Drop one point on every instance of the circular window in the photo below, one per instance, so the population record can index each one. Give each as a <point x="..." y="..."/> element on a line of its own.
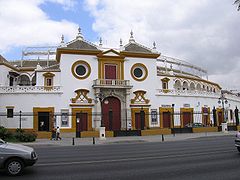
<point x="81" y="69"/>
<point x="139" y="72"/>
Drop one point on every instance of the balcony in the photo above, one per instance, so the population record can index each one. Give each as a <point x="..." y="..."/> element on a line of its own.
<point x="111" y="83"/>
<point x="30" y="90"/>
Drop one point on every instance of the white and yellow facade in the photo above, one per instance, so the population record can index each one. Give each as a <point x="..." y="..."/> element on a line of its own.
<point x="89" y="86"/>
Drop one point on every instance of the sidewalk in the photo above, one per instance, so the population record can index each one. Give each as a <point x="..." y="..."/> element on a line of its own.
<point x="126" y="139"/>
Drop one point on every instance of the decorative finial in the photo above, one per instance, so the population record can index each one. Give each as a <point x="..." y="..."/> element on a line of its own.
<point x="121" y="42"/>
<point x="131" y="37"/>
<point x="100" y="41"/>
<point x="79" y="36"/>
<point x="154" y="45"/>
<point x="62" y="39"/>
<point x="154" y="49"/>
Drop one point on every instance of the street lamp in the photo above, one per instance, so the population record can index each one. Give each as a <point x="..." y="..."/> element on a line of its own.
<point x="101" y="97"/>
<point x="223" y="100"/>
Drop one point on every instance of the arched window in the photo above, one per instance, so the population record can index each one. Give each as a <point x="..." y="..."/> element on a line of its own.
<point x="34" y="80"/>
<point x="198" y="87"/>
<point x="23" y="80"/>
<point x="192" y="86"/>
<point x="185" y="85"/>
<point x="177" y="85"/>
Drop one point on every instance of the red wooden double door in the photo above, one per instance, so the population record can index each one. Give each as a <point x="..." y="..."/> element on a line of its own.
<point x="111" y="113"/>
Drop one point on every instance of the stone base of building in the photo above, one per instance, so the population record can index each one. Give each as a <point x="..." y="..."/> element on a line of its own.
<point x="150" y="132"/>
<point x="204" y="129"/>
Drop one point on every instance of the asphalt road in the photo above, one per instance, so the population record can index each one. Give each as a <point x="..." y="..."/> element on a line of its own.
<point x="206" y="158"/>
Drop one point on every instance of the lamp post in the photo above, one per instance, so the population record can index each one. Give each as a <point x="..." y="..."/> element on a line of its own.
<point x="222" y="99"/>
<point x="102" y="131"/>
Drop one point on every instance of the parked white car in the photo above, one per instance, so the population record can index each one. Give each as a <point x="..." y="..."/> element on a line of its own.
<point x="14" y="157"/>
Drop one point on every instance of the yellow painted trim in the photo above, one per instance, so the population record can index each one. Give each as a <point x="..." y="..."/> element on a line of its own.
<point x="75" y="64"/>
<point x="208" y="119"/>
<point x="137" y="110"/>
<point x="161" y="111"/>
<point x="182" y="110"/>
<point x="139" y="65"/>
<point x="205" y="129"/>
<point x="48" y="74"/>
<point x="43" y="109"/>
<point x="150" y="132"/>
<point x="140" y="55"/>
<point x="118" y="63"/>
<point x="89" y="134"/>
<point x="9" y="66"/>
<point x="10" y="107"/>
<point x="217" y="111"/>
<point x="195" y="79"/>
<point x="61" y="51"/>
<point x="82" y="105"/>
<point x="83" y="110"/>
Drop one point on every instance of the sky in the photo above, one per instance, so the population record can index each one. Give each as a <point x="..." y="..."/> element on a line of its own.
<point x="205" y="33"/>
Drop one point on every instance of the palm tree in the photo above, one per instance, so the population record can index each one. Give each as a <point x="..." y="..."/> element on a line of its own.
<point x="237" y="2"/>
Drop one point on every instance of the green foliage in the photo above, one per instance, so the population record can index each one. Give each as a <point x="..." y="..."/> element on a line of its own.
<point x="4" y="133"/>
<point x="18" y="136"/>
<point x="23" y="136"/>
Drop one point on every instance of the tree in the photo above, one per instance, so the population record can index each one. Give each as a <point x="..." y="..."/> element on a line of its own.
<point x="237" y="2"/>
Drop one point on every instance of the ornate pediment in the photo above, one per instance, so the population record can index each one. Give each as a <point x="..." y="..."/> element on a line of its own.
<point x="140" y="98"/>
<point x="81" y="97"/>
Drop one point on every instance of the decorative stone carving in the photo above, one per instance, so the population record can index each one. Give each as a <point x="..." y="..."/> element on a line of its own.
<point x="139" y="97"/>
<point x="81" y="96"/>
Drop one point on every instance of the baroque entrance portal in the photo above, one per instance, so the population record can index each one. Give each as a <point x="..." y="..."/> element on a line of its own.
<point x="111" y="107"/>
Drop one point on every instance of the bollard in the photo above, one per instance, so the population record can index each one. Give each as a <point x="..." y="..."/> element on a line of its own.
<point x="73" y="143"/>
<point x="93" y="140"/>
<point x="162" y="138"/>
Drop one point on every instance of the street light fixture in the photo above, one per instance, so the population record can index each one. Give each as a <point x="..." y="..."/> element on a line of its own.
<point x="223" y="100"/>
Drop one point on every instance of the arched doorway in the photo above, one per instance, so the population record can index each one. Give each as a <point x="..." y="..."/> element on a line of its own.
<point x="111" y="109"/>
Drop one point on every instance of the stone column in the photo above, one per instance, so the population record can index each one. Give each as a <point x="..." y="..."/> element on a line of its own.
<point x="97" y="113"/>
<point x="128" y="109"/>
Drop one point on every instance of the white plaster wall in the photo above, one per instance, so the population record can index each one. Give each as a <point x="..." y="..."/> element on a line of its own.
<point x="4" y="81"/>
<point x="56" y="78"/>
<point x="70" y="83"/>
<point x="149" y="84"/>
<point x="25" y="103"/>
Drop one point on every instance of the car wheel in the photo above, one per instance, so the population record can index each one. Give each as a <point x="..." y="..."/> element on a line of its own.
<point x="14" y="167"/>
<point x="238" y="149"/>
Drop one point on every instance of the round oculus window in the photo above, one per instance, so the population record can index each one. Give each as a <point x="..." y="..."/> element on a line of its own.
<point x="138" y="72"/>
<point x="81" y="70"/>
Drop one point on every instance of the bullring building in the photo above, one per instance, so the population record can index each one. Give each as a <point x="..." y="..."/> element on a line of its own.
<point x="86" y="86"/>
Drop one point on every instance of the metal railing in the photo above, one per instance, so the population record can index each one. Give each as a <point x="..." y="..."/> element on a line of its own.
<point x="111" y="83"/>
<point x="29" y="89"/>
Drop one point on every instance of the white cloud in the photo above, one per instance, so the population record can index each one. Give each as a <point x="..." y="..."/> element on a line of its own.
<point x="203" y="32"/>
<point x="23" y="23"/>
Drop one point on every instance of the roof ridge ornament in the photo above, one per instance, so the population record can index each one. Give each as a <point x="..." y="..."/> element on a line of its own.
<point x="100" y="42"/>
<point x="154" y="49"/>
<point x="62" y="44"/>
<point x="79" y="35"/>
<point x="131" y="39"/>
